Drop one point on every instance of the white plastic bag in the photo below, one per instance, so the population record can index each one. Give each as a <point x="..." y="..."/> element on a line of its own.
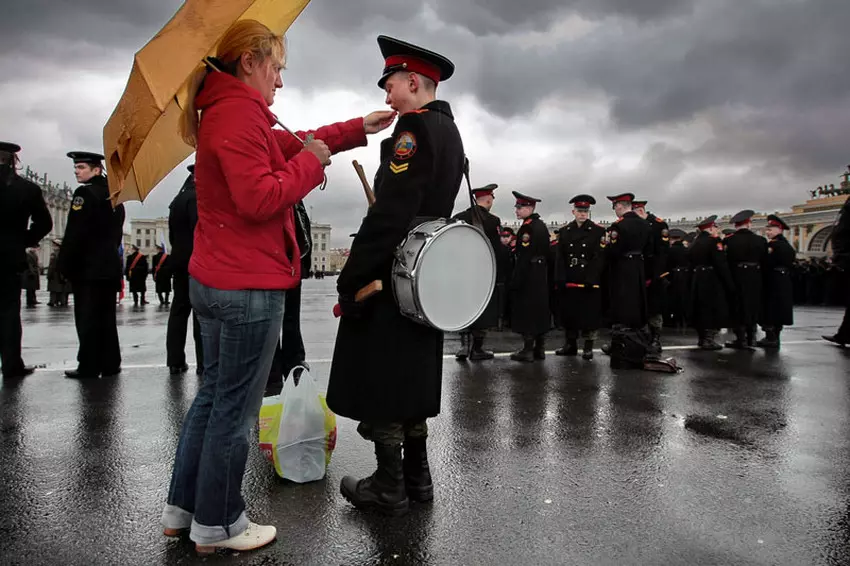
<point x="301" y="444"/>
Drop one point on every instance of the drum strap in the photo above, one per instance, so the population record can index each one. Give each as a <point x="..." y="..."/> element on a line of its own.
<point x="477" y="221"/>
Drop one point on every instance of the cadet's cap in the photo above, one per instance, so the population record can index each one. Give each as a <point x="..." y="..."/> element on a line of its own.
<point x="707" y="222"/>
<point x="485" y="191"/>
<point x="507" y="231"/>
<point x="639" y="204"/>
<point x="10" y="147"/>
<point x="191" y="168"/>
<point x="524" y="200"/>
<point x="727" y="231"/>
<point x="773" y="220"/>
<point x="625" y="197"/>
<point x="678" y="233"/>
<point x="582" y="201"/>
<point x="86" y="157"/>
<point x="742" y="217"/>
<point x="402" y="56"/>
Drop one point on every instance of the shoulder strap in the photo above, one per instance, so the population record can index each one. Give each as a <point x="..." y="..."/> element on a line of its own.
<point x="477" y="221"/>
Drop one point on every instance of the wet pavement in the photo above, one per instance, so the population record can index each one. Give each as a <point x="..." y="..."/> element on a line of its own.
<point x="744" y="458"/>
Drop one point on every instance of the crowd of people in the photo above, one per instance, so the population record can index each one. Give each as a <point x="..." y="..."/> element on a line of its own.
<point x="241" y="247"/>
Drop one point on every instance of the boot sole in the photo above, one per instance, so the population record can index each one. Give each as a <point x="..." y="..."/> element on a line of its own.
<point x="420" y="494"/>
<point x="396" y="510"/>
<point x="174" y="532"/>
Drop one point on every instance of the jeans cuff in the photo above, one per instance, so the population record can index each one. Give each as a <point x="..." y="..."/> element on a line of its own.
<point x="174" y="517"/>
<point x="205" y="534"/>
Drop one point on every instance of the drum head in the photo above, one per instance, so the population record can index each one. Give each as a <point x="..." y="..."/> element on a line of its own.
<point x="455" y="277"/>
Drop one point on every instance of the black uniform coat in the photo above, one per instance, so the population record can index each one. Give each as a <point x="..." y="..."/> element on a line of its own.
<point x="778" y="304"/>
<point x="712" y="289"/>
<point x="529" y="287"/>
<point x="387" y="367"/>
<point x="746" y="252"/>
<point x="137" y="274"/>
<point x="656" y="265"/>
<point x="31" y="277"/>
<point x="841" y="238"/>
<point x="161" y="270"/>
<point x="578" y="272"/>
<point x="20" y="202"/>
<point x="628" y="243"/>
<point x="182" y="219"/>
<point x="679" y="292"/>
<point x="491" y="225"/>
<point x="93" y="235"/>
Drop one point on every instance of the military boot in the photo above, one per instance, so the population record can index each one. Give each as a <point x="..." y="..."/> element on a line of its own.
<point x="540" y="348"/>
<point x="417" y="474"/>
<point x="655" y="342"/>
<point x="740" y="342"/>
<point x="463" y="352"/>
<point x="770" y="341"/>
<point x="708" y="342"/>
<point x="478" y="352"/>
<point x="588" y="350"/>
<point x="383" y="491"/>
<point x="570" y="348"/>
<point x="527" y="352"/>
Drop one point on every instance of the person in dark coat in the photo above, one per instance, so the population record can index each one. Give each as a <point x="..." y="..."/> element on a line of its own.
<point x="841" y="258"/>
<point x="89" y="259"/>
<point x="745" y="252"/>
<point x="136" y="272"/>
<point x="578" y="273"/>
<point x="472" y="340"/>
<point x="161" y="272"/>
<point x="679" y="267"/>
<point x="628" y="242"/>
<point x="31" y="278"/>
<point x="182" y="219"/>
<point x="387" y="369"/>
<point x="712" y="289"/>
<point x="656" y="271"/>
<point x="504" y="273"/>
<point x="529" y="286"/>
<point x="778" y="304"/>
<point x="24" y="221"/>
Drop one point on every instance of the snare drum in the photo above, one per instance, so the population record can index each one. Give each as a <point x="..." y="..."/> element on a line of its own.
<point x="444" y="274"/>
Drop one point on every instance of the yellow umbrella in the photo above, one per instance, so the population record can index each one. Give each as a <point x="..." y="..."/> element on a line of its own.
<point x="141" y="142"/>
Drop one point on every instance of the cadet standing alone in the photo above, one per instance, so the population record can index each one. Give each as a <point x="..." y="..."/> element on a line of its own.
<point x="89" y="259"/>
<point x="746" y="253"/>
<point x="778" y="307"/>
<point x="136" y="273"/>
<point x="530" y="315"/>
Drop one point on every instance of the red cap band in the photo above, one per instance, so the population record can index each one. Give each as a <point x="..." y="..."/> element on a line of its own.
<point x="414" y="65"/>
<point x="582" y="205"/>
<point x="775" y="223"/>
<point x="739" y="224"/>
<point x="524" y="202"/>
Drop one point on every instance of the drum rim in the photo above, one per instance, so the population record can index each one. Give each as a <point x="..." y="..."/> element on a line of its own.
<point x="413" y="271"/>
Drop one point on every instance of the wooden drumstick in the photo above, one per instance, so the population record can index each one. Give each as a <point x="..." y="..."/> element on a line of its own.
<point x="370" y="196"/>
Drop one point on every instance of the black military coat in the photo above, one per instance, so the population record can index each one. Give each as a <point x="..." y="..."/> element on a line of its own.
<point x="182" y="219"/>
<point x="24" y="221"/>
<point x="161" y="270"/>
<point x="387" y="367"/>
<point x="578" y="273"/>
<point x="628" y="243"/>
<point x="778" y="303"/>
<point x="529" y="286"/>
<point x="93" y="236"/>
<point x="136" y="271"/>
<point x="679" y="291"/>
<point x="841" y="238"/>
<point x="746" y="252"/>
<point x="656" y="265"/>
<point x="712" y="289"/>
<point x="491" y="225"/>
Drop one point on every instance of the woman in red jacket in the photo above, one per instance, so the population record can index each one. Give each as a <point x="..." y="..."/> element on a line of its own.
<point x="248" y="176"/>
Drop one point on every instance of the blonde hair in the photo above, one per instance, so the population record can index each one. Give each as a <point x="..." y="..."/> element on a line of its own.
<point x="245" y="36"/>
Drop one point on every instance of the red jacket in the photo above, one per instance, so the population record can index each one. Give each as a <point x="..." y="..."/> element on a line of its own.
<point x="248" y="178"/>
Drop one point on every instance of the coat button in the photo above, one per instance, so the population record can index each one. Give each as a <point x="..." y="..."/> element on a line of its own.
<point x="221" y="225"/>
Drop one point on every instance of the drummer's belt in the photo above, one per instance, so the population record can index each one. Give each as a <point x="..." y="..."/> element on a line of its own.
<point x="748" y="264"/>
<point x="704" y="268"/>
<point x="633" y="255"/>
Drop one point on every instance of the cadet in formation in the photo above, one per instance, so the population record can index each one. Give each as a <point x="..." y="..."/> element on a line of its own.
<point x="24" y="221"/>
<point x="529" y="286"/>
<point x="136" y="272"/>
<point x="746" y="253"/>
<point x="161" y="271"/>
<point x="472" y="341"/>
<point x="656" y="271"/>
<point x="89" y="260"/>
<point x="778" y="306"/>
<point x="578" y="273"/>
<point x="679" y="267"/>
<point x="712" y="290"/>
<point x="387" y="369"/>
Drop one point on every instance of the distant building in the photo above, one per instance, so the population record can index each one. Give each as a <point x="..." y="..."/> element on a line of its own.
<point x="147" y="233"/>
<point x="337" y="258"/>
<point x="321" y="247"/>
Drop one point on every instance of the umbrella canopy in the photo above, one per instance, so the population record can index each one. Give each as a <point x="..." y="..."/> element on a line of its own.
<point x="141" y="140"/>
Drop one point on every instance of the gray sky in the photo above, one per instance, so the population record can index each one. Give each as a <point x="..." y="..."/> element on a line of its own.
<point x="700" y="107"/>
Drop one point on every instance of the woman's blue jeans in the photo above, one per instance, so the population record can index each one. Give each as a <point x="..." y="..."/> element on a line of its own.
<point x="239" y="331"/>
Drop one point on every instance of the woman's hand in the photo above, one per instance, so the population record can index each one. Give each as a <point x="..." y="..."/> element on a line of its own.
<point x="379" y="120"/>
<point x="320" y="150"/>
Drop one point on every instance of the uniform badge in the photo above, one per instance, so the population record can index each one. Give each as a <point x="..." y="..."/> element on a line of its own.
<point x="665" y="233"/>
<point x="613" y="235"/>
<point x="405" y="146"/>
<point x="400" y="168"/>
<point x="77" y="203"/>
<point x="526" y="239"/>
<point x="770" y="249"/>
<point x="720" y="247"/>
